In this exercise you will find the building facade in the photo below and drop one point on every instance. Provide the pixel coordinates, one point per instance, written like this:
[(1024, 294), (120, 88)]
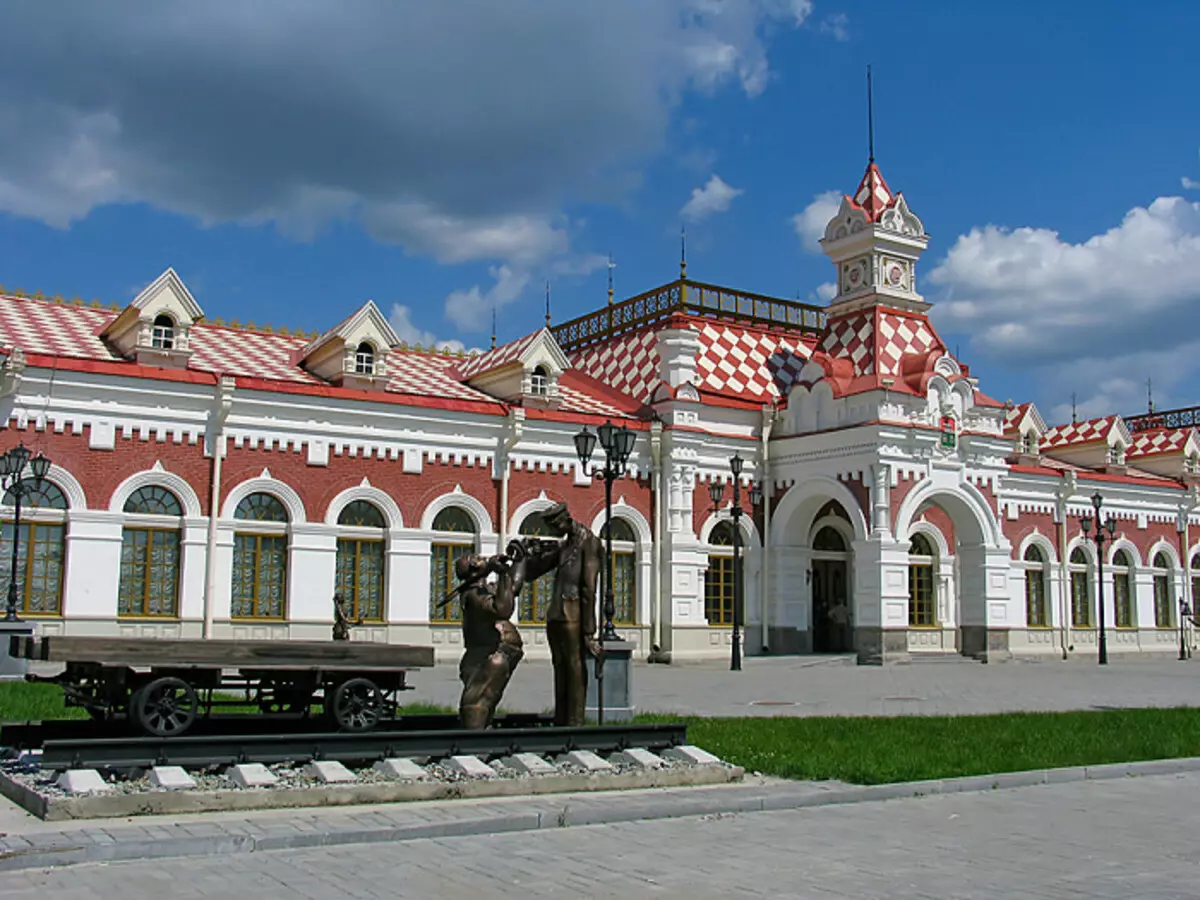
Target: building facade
[(213, 479)]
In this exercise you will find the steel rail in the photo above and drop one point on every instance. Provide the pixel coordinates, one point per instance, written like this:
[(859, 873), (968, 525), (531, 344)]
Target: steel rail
[(32, 735), (218, 750)]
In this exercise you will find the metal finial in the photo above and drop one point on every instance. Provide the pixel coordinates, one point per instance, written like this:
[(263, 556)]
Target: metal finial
[(870, 120), (1074, 417), (493, 326), (547, 303), (1150, 394), (682, 252), (611, 265)]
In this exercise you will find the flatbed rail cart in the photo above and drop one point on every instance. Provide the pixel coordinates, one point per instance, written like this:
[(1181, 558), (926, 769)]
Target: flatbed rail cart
[(161, 687)]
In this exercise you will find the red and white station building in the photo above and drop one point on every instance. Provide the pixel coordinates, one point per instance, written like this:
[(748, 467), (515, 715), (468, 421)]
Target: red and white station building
[(217, 479)]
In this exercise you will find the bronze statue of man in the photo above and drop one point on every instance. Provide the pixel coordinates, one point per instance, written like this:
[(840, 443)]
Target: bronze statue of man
[(571, 616), (491, 643)]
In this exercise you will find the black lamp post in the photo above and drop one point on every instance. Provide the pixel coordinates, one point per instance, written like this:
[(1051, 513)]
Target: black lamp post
[(12, 479), (1184, 612), (617, 444), (1109, 525), (716, 490)]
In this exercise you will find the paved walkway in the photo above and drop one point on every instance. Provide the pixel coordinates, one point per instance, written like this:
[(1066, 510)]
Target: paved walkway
[(1105, 839), (824, 686)]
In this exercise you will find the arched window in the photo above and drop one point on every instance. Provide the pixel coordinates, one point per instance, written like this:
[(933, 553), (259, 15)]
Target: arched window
[(535, 597), (364, 359), (455, 536), (1081, 601), (829, 539), (150, 554), (1037, 610), (360, 560), (719, 579), (1122, 595), (40, 547), (162, 332), (922, 605), (260, 558), (539, 381), (624, 548), (1163, 605)]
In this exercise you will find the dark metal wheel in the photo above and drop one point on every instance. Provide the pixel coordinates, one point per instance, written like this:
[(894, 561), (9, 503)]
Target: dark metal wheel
[(357, 704), (166, 707)]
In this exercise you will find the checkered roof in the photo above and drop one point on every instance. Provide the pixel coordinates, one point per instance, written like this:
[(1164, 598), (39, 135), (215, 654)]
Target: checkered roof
[(1077, 432), (876, 341), (1160, 440)]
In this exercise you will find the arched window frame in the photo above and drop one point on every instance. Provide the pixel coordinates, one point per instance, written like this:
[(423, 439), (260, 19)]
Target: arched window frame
[(534, 600), (1079, 572), (625, 571), (261, 559), (922, 595), (1124, 607), (364, 359), (360, 573), (445, 547), (43, 528), (539, 381), (153, 526), (1162, 571), (162, 332), (1036, 563), (719, 577)]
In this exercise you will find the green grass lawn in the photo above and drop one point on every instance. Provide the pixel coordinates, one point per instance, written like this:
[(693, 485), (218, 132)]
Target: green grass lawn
[(880, 750), (864, 750)]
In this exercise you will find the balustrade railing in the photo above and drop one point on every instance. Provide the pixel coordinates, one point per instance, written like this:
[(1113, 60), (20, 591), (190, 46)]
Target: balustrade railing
[(1167, 418), (693, 298)]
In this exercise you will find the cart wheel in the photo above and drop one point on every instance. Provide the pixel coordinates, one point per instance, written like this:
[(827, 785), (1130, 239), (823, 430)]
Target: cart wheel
[(357, 705), (166, 707)]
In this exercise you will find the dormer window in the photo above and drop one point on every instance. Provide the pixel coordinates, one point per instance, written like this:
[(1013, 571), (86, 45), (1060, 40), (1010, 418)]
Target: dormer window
[(1191, 465), (539, 382), (1029, 443), (1115, 455), (162, 335), (364, 359)]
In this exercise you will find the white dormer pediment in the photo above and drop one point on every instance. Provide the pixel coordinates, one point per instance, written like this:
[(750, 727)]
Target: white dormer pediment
[(523, 371), (850, 219), (900, 219), (155, 328), (354, 353)]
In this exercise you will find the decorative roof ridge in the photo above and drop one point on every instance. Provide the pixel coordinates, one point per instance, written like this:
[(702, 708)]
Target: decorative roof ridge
[(58, 299)]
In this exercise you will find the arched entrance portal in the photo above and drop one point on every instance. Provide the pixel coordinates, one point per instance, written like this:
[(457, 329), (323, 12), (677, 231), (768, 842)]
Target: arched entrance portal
[(831, 630)]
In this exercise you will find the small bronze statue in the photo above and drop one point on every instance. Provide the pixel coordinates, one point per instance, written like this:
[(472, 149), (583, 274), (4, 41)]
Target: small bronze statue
[(492, 645), (571, 616), (341, 624)]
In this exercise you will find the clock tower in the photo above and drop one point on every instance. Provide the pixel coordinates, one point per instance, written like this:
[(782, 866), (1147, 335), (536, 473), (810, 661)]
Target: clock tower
[(874, 242)]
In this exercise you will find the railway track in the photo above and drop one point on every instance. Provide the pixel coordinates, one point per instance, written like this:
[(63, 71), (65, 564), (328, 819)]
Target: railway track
[(204, 750)]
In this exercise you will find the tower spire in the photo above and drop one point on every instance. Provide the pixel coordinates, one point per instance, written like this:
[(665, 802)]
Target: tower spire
[(547, 302), (493, 324), (870, 120), (682, 252), (1074, 416), (1150, 394), (611, 265)]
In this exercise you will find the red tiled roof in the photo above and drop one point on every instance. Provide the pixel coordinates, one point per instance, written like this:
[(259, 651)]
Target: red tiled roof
[(1159, 440), (1078, 432)]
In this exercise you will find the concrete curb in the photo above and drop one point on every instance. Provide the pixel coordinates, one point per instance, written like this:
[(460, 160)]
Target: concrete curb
[(203, 839)]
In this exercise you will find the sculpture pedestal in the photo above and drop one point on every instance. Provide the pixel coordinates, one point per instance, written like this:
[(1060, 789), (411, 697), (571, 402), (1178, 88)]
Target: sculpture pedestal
[(618, 683), (11, 668)]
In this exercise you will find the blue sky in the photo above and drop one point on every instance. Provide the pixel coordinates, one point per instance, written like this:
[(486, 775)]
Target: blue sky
[(444, 158)]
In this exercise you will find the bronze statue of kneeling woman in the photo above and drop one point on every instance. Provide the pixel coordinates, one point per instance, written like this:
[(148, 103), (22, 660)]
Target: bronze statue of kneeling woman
[(492, 645)]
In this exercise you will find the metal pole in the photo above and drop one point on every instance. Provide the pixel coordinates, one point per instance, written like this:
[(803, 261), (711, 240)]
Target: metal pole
[(735, 660), (1100, 571), (11, 614), (599, 666), (608, 632)]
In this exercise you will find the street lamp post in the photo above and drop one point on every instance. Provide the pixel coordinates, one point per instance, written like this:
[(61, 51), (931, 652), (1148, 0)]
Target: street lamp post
[(716, 491), (617, 444), (12, 479), (1102, 525), (1184, 612)]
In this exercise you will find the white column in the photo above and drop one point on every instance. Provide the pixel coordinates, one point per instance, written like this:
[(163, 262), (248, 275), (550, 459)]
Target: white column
[(93, 570)]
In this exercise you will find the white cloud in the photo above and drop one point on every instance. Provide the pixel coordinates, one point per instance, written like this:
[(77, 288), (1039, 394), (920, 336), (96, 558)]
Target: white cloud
[(835, 25), (1190, 183), (810, 224), (1095, 316), (715, 197), (824, 292), (456, 130), (409, 332), (471, 309)]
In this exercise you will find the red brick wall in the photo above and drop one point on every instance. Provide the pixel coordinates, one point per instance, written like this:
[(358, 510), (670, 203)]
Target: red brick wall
[(584, 501), (939, 519), (1017, 531)]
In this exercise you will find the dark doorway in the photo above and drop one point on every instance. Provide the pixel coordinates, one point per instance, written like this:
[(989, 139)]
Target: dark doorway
[(831, 607)]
